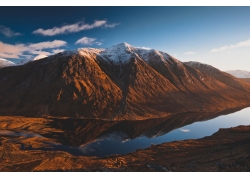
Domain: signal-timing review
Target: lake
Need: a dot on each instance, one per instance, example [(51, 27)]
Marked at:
[(118, 143), (103, 138)]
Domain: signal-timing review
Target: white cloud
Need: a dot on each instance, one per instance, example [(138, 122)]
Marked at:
[(7, 55), (48, 44), (8, 32), (15, 51), (111, 25), (26, 56), (11, 51), (79, 26), (87, 41), (99, 43), (233, 46), (190, 53), (40, 52), (146, 48), (55, 51), (184, 130)]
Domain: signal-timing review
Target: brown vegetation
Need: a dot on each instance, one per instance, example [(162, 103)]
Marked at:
[(88, 86)]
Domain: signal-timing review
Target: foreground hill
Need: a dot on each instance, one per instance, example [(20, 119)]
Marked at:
[(120, 82)]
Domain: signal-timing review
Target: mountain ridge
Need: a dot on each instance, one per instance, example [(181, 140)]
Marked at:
[(118, 83)]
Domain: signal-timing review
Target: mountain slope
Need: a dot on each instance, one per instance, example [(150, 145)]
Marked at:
[(120, 82), (223, 77)]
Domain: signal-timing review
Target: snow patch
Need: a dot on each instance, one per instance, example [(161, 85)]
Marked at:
[(6, 63), (123, 52), (117, 54), (40, 56)]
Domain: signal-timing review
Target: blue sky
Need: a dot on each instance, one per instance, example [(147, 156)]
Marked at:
[(219, 36)]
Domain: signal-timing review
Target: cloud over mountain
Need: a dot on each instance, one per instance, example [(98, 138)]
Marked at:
[(88, 41), (72, 28), (17, 50)]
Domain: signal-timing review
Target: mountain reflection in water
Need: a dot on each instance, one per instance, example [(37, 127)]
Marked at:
[(102, 138)]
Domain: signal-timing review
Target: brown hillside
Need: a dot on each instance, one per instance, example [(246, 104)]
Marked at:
[(90, 85)]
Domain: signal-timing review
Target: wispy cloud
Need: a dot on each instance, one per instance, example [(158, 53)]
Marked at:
[(18, 50), (8, 55), (88, 41), (8, 32), (11, 51), (72, 28), (39, 52), (146, 48), (55, 51), (190, 53), (184, 130), (233, 46), (48, 44), (111, 25)]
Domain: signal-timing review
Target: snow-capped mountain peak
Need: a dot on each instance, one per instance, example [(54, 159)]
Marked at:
[(41, 56), (6, 63), (123, 52), (118, 53)]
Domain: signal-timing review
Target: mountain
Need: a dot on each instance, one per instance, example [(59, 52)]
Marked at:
[(239, 73), (28, 61), (116, 83), (223, 77), (5, 63)]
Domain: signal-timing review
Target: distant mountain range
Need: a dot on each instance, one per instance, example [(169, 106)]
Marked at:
[(239, 73), (117, 83)]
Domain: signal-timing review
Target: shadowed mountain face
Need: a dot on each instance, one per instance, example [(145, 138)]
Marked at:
[(121, 82)]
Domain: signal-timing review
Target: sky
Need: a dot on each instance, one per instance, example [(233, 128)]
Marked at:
[(219, 36)]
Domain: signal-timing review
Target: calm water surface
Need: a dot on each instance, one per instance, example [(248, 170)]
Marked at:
[(102, 138), (114, 145)]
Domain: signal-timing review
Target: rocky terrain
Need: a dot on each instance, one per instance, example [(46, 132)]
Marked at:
[(116, 83)]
